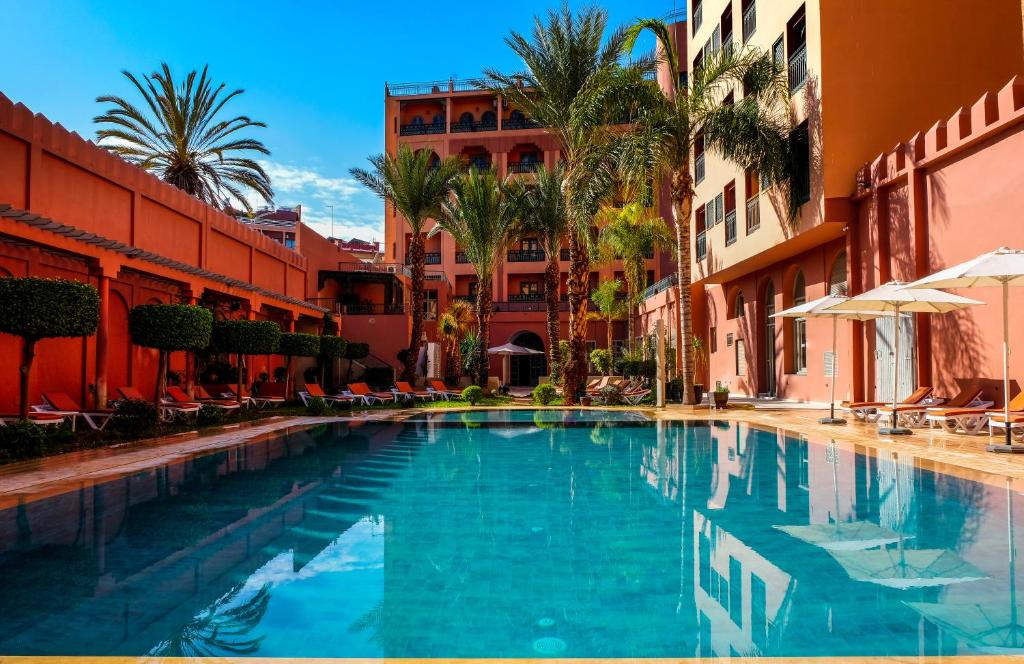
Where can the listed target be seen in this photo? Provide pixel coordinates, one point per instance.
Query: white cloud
(290, 179)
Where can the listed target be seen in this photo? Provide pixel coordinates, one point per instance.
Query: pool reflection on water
(520, 538)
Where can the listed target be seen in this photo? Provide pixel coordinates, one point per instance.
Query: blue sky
(313, 71)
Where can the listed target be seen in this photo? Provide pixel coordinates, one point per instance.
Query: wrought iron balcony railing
(471, 299)
(698, 168)
(519, 123)
(798, 68)
(374, 268)
(429, 258)
(749, 21)
(523, 167)
(526, 256)
(422, 129)
(659, 286)
(753, 213)
(563, 255)
(480, 125)
(526, 297)
(730, 227)
(360, 309)
(461, 257)
(702, 245)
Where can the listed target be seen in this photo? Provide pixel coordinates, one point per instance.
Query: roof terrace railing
(659, 286)
(433, 87)
(375, 268)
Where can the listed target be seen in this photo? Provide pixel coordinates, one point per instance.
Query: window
(796, 37)
(741, 358)
(799, 326)
(529, 287)
(698, 159)
(749, 19)
(702, 239)
(752, 186)
(803, 464)
(736, 591)
(779, 52)
(837, 279)
(730, 213)
(725, 27)
(800, 151)
(529, 244)
(758, 612)
(713, 340)
(739, 306)
(489, 119)
(697, 15)
(430, 304)
(719, 208)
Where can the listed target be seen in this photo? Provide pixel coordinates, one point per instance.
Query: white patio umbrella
(893, 298)
(820, 308)
(507, 351)
(1003, 268)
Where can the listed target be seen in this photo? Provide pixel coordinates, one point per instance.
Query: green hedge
(332, 347)
(297, 344)
(171, 326)
(34, 308)
(356, 351)
(247, 337)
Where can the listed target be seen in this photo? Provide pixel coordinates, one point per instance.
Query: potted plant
(721, 396)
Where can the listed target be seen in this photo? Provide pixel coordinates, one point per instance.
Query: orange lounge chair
(180, 397)
(314, 391)
(61, 403)
(913, 415)
(442, 390)
(970, 420)
(998, 421)
(269, 394)
(42, 418)
(168, 409)
(363, 390)
(225, 404)
(406, 388)
(868, 410)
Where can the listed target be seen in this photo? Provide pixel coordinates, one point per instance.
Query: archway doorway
(526, 370)
(770, 388)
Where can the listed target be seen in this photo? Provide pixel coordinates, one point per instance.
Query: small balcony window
(796, 38)
(749, 19)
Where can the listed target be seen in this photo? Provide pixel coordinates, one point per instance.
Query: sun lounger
(363, 390)
(225, 404)
(406, 388)
(314, 391)
(42, 418)
(868, 410)
(968, 420)
(168, 408)
(439, 388)
(177, 403)
(59, 402)
(913, 415)
(269, 394)
(998, 421)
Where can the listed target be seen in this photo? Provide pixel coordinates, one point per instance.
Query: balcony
(753, 213)
(480, 163)
(469, 299)
(702, 245)
(798, 68)
(422, 129)
(523, 167)
(375, 268)
(526, 256)
(749, 21)
(461, 257)
(698, 168)
(480, 125)
(513, 124)
(429, 258)
(527, 297)
(516, 306)
(730, 227)
(563, 255)
(348, 309)
(659, 286)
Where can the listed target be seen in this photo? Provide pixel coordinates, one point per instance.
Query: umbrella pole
(1007, 445)
(894, 429)
(832, 419)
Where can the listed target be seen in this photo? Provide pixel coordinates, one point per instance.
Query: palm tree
(610, 306)
(417, 186)
(543, 213)
(222, 628)
(575, 85)
(631, 233)
(482, 217)
(450, 326)
(177, 134)
(752, 133)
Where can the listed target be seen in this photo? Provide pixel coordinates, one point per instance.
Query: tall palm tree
(752, 133)
(575, 85)
(610, 307)
(417, 186)
(178, 135)
(631, 233)
(482, 217)
(544, 214)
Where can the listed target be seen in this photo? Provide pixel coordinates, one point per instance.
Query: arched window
(799, 326)
(466, 118)
(837, 284)
(417, 120)
(489, 120)
(438, 120)
(739, 306)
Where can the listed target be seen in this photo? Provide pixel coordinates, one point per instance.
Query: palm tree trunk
(28, 353)
(417, 260)
(551, 295)
(483, 318)
(579, 282)
(682, 207)
(161, 377)
(610, 341)
(629, 316)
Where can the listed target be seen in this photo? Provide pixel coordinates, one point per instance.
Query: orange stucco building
(864, 76)
(69, 209)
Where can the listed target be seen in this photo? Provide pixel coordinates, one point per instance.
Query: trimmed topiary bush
(316, 406)
(601, 358)
(474, 394)
(331, 348)
(167, 328)
(34, 309)
(544, 394)
(245, 337)
(296, 344)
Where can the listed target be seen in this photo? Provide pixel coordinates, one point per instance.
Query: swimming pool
(518, 537)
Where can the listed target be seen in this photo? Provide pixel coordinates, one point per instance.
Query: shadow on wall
(779, 195)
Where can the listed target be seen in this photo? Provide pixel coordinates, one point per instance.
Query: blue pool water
(518, 537)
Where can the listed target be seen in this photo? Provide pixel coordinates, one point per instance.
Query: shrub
(380, 376)
(209, 415)
(544, 394)
(22, 440)
(35, 309)
(602, 360)
(611, 395)
(245, 337)
(134, 417)
(469, 351)
(316, 406)
(298, 344)
(167, 328)
(474, 394)
(333, 347)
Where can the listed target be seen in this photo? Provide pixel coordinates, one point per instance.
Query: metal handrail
(753, 213)
(422, 129)
(702, 245)
(523, 166)
(749, 21)
(698, 168)
(659, 286)
(526, 297)
(461, 257)
(476, 125)
(730, 227)
(798, 68)
(375, 268)
(525, 256)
